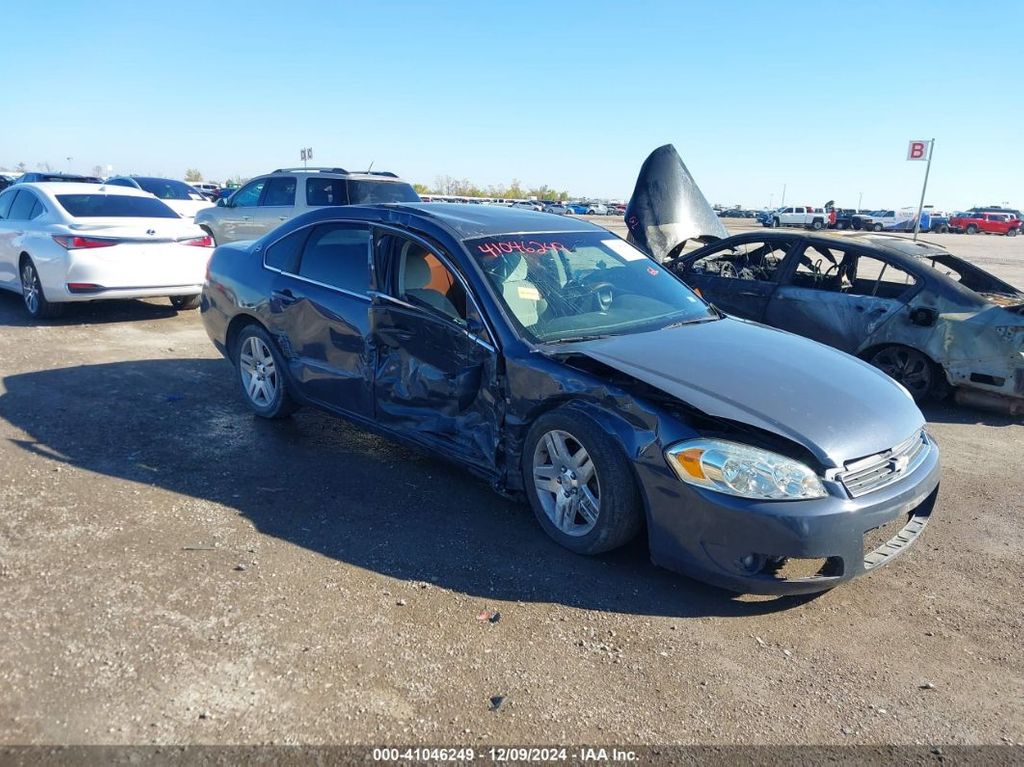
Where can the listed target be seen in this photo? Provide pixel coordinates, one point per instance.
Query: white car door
(9, 230)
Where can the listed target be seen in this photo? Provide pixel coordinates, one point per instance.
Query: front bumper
(798, 547)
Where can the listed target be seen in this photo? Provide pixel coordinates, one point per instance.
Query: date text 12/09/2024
(504, 754)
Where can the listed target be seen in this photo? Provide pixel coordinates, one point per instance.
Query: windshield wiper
(575, 339)
(695, 321)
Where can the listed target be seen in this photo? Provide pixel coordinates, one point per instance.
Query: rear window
(368, 192)
(113, 206)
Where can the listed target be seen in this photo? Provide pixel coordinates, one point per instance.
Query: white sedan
(64, 242)
(183, 199)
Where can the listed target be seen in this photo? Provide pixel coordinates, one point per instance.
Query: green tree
(421, 188)
(192, 175)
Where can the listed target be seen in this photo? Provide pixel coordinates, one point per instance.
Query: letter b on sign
(918, 150)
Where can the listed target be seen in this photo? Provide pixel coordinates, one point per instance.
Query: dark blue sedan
(560, 363)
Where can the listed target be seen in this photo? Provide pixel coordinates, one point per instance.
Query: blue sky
(820, 97)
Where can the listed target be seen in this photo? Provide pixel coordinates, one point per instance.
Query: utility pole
(860, 196)
(783, 203)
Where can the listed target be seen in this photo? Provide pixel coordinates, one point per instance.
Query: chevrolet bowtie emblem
(899, 465)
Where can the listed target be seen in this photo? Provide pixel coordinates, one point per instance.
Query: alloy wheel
(909, 367)
(31, 290)
(259, 372)
(566, 482)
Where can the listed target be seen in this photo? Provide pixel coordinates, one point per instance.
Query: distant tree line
(465, 188)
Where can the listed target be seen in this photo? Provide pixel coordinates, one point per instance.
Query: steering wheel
(727, 269)
(584, 293)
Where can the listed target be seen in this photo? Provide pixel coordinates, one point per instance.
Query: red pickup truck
(990, 223)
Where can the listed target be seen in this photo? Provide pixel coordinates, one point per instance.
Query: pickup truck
(990, 223)
(803, 215)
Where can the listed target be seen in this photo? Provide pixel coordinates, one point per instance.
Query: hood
(667, 208)
(836, 406)
(187, 208)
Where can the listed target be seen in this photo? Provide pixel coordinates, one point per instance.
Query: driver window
(248, 195)
(425, 281)
(757, 260)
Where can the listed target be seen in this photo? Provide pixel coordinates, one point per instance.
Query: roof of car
(891, 242)
(467, 220)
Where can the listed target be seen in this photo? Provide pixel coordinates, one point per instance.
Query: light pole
(860, 196)
(783, 203)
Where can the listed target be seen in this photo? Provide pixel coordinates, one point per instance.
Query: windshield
(168, 189)
(113, 206)
(368, 192)
(583, 285)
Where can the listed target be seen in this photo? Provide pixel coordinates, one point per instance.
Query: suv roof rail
(387, 173)
(310, 170)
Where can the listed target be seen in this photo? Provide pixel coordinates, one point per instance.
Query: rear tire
(817, 225)
(260, 372)
(909, 367)
(33, 296)
(185, 303)
(876, 228)
(568, 464)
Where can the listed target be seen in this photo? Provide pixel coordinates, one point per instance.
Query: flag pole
(920, 205)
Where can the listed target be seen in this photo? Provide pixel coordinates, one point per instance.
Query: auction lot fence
(710, 756)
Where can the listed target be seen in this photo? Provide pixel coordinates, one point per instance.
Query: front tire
(185, 303)
(260, 372)
(1011, 233)
(972, 229)
(33, 296)
(580, 484)
(776, 223)
(909, 367)
(876, 228)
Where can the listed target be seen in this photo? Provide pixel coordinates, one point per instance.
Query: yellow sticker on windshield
(528, 293)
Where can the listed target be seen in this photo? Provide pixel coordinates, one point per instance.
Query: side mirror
(222, 202)
(923, 316)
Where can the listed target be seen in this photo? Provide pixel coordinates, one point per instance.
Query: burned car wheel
(261, 374)
(908, 366)
(579, 484)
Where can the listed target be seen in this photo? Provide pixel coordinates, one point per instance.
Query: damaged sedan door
(435, 370)
(319, 311)
(838, 295)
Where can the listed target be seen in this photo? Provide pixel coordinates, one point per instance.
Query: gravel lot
(174, 570)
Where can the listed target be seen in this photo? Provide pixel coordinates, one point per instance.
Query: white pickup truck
(801, 215)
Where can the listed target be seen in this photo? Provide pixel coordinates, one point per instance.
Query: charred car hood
(667, 208)
(834, 405)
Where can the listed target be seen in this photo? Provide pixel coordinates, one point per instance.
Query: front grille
(895, 545)
(882, 469)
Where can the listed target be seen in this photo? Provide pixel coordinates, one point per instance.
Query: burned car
(560, 363)
(927, 318)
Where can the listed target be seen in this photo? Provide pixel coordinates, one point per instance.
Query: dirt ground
(174, 570)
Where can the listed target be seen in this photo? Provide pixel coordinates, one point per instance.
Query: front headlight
(744, 471)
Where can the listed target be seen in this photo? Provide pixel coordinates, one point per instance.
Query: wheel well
(869, 352)
(23, 258)
(236, 326)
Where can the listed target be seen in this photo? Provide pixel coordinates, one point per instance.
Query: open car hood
(832, 404)
(667, 207)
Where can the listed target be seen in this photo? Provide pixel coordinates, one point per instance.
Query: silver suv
(268, 201)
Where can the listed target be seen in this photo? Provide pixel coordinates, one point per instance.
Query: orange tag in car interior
(528, 293)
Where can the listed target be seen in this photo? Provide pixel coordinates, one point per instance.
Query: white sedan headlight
(744, 471)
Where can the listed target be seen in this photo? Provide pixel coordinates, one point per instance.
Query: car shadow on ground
(948, 411)
(13, 314)
(317, 482)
